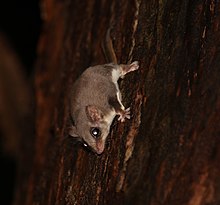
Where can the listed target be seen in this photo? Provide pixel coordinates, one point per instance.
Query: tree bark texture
(169, 152)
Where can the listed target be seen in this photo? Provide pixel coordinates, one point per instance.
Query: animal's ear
(73, 132)
(94, 113)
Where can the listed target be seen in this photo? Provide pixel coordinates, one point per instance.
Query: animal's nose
(100, 146)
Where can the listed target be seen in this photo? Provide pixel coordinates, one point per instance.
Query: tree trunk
(169, 152)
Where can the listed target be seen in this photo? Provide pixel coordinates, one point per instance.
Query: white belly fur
(109, 117)
(116, 74)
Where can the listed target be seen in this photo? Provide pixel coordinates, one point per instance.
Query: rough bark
(168, 153)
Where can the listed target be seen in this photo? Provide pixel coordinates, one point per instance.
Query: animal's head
(91, 128)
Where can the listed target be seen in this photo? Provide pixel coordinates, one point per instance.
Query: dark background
(20, 22)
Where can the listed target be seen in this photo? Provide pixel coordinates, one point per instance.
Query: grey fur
(94, 102)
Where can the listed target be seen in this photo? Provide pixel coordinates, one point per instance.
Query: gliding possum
(96, 100)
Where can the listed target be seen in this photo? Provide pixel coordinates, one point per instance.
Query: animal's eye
(95, 132)
(84, 143)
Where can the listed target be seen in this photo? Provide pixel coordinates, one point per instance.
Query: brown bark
(168, 153)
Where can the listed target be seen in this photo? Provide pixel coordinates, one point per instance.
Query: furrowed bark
(168, 153)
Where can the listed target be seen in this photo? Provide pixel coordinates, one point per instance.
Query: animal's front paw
(124, 114)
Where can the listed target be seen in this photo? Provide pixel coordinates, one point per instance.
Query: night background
(20, 23)
(167, 153)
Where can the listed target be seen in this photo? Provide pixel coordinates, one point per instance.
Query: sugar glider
(95, 101)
